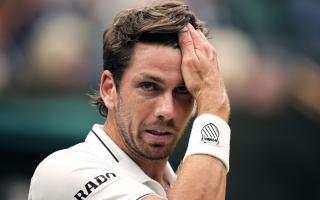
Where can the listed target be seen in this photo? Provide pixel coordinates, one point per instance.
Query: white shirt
(94, 169)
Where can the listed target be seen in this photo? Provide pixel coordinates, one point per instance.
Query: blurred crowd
(269, 50)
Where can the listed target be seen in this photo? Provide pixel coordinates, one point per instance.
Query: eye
(147, 86)
(182, 89)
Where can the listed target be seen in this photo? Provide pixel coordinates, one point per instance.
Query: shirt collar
(103, 145)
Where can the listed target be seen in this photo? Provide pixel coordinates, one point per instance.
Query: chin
(156, 152)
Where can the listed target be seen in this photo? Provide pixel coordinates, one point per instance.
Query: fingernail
(184, 29)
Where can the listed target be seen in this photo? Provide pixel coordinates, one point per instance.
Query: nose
(165, 107)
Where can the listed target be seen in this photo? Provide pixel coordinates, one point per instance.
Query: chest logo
(210, 134)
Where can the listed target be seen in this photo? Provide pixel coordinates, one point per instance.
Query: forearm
(200, 177)
(202, 174)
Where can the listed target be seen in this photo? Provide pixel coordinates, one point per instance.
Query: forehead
(158, 61)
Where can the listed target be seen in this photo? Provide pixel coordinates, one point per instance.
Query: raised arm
(202, 174)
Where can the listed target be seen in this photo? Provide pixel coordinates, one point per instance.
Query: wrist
(213, 107)
(210, 135)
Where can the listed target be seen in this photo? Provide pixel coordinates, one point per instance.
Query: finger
(202, 35)
(200, 42)
(215, 58)
(213, 54)
(211, 50)
(197, 40)
(186, 43)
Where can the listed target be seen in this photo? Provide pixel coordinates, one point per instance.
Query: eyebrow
(149, 77)
(143, 76)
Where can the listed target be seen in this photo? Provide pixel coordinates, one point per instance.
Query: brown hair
(157, 24)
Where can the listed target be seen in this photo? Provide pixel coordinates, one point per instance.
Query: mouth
(158, 135)
(155, 132)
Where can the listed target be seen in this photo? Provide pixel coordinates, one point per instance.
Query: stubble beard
(139, 146)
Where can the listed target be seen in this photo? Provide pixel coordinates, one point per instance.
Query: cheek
(137, 109)
(185, 109)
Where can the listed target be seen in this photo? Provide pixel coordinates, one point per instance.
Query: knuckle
(207, 49)
(188, 60)
(186, 42)
(213, 50)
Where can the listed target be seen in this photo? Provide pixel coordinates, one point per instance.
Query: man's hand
(202, 175)
(201, 73)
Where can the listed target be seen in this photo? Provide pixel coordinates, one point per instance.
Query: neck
(155, 169)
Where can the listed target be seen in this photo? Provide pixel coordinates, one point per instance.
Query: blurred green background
(269, 53)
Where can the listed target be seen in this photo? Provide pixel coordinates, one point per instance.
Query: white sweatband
(210, 135)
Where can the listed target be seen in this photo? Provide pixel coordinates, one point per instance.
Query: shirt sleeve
(57, 178)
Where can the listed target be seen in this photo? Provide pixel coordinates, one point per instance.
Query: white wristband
(210, 135)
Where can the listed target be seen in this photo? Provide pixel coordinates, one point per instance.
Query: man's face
(153, 104)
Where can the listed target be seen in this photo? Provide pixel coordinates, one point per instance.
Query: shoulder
(68, 161)
(76, 173)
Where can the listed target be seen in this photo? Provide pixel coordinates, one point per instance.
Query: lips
(155, 132)
(157, 135)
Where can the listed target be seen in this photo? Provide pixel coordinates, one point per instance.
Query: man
(159, 70)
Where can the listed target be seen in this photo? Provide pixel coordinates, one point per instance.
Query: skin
(157, 93)
(149, 100)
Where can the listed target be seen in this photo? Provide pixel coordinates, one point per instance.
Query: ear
(108, 90)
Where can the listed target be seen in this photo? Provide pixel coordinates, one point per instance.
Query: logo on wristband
(210, 134)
